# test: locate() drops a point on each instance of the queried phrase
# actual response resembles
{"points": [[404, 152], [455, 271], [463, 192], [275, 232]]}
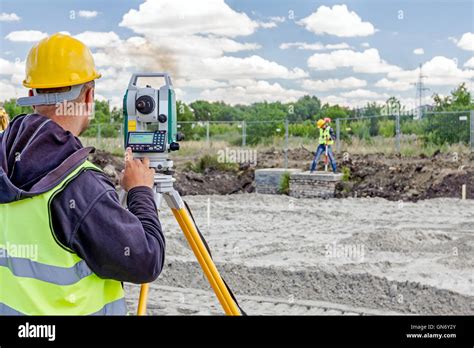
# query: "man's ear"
{"points": [[90, 95], [89, 98], [30, 93]]}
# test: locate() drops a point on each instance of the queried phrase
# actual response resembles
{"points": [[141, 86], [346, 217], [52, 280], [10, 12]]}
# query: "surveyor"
{"points": [[3, 119], [80, 243], [326, 139]]}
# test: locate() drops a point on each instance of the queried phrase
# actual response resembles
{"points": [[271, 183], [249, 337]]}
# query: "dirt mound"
{"points": [[377, 175], [215, 182], [391, 177], [187, 182], [399, 178]]}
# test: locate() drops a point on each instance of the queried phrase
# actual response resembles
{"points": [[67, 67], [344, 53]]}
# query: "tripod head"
{"points": [[150, 120]]}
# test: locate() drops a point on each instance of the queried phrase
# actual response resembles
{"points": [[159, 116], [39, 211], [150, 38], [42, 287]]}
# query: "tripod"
{"points": [[163, 187]]}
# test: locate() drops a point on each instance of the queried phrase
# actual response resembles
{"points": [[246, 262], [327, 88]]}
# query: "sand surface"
{"points": [[353, 256]]}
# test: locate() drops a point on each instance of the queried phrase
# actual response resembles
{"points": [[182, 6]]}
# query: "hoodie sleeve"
{"points": [[120, 244]]}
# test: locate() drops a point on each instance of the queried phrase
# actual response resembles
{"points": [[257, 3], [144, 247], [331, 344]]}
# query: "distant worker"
{"points": [[3, 119], [326, 140], [66, 242]]}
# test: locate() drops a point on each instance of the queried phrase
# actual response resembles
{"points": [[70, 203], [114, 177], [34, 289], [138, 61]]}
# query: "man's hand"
{"points": [[136, 173]]}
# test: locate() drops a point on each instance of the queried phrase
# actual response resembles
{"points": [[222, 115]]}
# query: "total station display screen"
{"points": [[140, 138]]}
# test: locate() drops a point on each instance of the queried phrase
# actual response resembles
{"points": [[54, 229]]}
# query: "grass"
{"points": [[346, 174], [210, 162], [410, 146], [285, 183]]}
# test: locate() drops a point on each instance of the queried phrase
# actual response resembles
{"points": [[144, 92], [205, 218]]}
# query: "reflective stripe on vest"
{"points": [[39, 276], [117, 307], [325, 136]]}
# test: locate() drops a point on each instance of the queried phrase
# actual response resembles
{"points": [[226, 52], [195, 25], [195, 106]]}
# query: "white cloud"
{"points": [[191, 43], [88, 14], [15, 71], [183, 17], [326, 85], [364, 93], [199, 83], [8, 68], [273, 23], [365, 44], [9, 17], [368, 61], [469, 63], [195, 46], [11, 90], [26, 36], [249, 67], [191, 39], [113, 81], [98, 39], [256, 91], [393, 85], [314, 46], [338, 21], [350, 102], [466, 42], [419, 51], [439, 71], [358, 102]]}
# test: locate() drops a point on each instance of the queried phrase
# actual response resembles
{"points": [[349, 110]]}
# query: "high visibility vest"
{"points": [[38, 275], [325, 136]]}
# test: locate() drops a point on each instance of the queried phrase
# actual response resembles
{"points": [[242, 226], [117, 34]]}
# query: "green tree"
{"points": [[304, 109], [459, 100], [14, 110], [185, 114], [259, 131], [445, 127], [332, 111]]}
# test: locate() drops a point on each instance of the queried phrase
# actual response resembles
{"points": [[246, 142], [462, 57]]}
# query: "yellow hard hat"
{"points": [[320, 123], [59, 61]]}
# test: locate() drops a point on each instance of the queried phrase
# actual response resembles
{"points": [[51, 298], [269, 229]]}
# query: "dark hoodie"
{"points": [[36, 154]]}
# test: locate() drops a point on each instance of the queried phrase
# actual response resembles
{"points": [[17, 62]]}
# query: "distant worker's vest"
{"points": [[325, 136], [38, 276]]}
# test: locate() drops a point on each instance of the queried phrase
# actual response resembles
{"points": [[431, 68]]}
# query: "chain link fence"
{"points": [[366, 134], [405, 133]]}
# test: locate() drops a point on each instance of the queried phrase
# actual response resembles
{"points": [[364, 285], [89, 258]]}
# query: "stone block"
{"points": [[314, 185], [268, 180]]}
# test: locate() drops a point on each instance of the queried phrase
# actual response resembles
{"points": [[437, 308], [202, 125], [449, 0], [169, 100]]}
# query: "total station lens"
{"points": [[145, 104]]}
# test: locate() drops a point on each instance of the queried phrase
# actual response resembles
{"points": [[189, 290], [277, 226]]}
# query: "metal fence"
{"points": [[396, 133], [381, 133]]}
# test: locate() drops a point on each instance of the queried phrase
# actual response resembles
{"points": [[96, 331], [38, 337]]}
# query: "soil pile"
{"points": [[376, 175]]}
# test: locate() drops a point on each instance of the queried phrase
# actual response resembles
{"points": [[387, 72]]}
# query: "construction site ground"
{"points": [[360, 256], [397, 239]]}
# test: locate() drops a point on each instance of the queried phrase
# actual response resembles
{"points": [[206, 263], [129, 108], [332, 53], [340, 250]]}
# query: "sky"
{"points": [[243, 51]]}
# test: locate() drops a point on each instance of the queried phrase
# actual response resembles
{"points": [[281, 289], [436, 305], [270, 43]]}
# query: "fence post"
{"points": [[244, 133], [471, 115], [398, 133], [338, 135], [120, 136], [286, 143], [98, 136], [207, 133]]}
